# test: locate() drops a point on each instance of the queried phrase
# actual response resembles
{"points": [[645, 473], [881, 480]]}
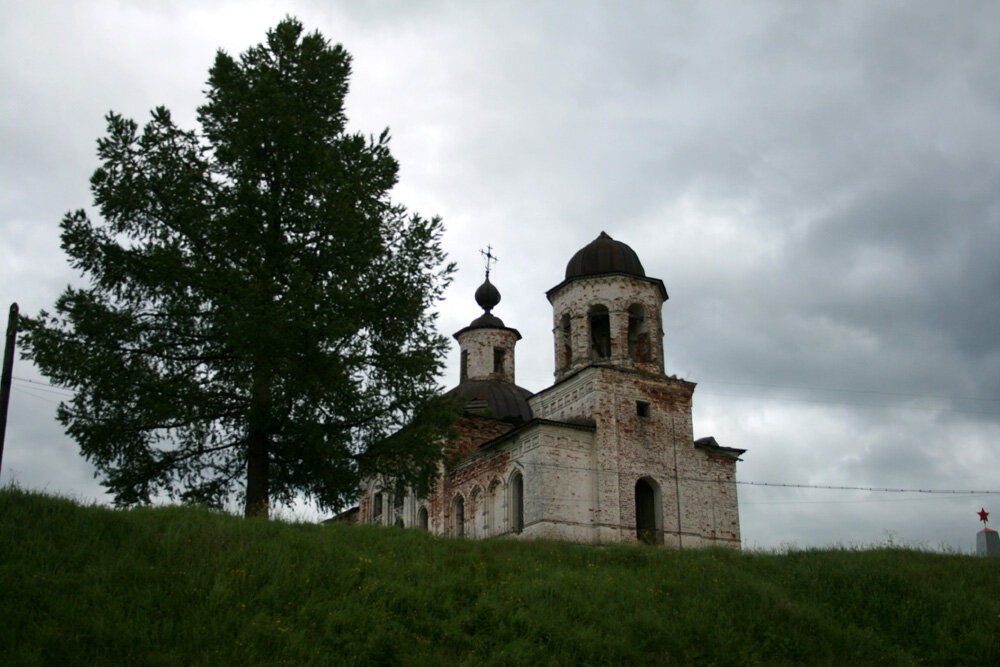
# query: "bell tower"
{"points": [[607, 312]]}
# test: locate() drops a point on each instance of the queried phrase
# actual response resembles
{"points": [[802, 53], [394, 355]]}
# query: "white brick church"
{"points": [[604, 455]]}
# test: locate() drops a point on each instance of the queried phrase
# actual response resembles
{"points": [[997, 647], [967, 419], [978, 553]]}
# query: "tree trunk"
{"points": [[258, 456], [258, 501]]}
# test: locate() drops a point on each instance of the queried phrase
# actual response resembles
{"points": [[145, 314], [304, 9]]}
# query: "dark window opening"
{"points": [[600, 332], [642, 408], [377, 508], [517, 502], [645, 513], [638, 334], [459, 511], [498, 357], [463, 371]]}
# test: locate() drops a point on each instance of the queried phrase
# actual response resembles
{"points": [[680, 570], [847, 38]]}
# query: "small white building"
{"points": [[604, 455]]}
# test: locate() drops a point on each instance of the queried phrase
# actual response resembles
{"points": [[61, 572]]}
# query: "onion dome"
{"points": [[487, 296], [604, 255]]}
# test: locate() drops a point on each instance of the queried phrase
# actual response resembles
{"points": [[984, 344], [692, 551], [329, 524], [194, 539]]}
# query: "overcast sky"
{"points": [[817, 184]]}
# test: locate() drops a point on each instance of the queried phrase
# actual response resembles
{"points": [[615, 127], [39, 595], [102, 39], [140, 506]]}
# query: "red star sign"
{"points": [[983, 514]]}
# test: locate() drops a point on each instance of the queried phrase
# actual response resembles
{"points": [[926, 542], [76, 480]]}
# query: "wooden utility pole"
{"points": [[8, 370]]}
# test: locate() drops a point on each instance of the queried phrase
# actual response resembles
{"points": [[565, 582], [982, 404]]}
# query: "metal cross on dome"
{"points": [[490, 258]]}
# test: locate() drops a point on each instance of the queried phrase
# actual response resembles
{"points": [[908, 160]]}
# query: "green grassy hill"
{"points": [[88, 585]]}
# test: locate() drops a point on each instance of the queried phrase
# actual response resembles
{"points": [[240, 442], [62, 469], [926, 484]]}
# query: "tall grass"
{"points": [[89, 585]]}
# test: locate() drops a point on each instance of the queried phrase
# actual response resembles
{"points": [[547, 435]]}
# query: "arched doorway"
{"points": [[422, 518], [648, 514]]}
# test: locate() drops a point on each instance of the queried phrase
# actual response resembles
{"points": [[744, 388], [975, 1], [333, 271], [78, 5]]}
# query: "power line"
{"points": [[854, 502], [875, 406], [992, 399], [22, 391], [878, 489], [785, 485], [44, 386]]}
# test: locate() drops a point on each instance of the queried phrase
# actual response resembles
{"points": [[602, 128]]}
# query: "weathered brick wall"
{"points": [[559, 484], [657, 446], [616, 293], [470, 468], [478, 353]]}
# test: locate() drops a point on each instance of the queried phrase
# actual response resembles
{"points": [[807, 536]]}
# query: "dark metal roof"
{"points": [[494, 398], [710, 444], [604, 255], [487, 321]]}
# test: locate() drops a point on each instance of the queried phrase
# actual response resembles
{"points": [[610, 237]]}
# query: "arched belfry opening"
{"points": [[600, 332], [648, 512], [564, 342], [638, 334]]}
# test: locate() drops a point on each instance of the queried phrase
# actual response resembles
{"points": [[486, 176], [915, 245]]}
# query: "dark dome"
{"points": [[487, 321], [487, 296], [604, 255], [494, 398]]}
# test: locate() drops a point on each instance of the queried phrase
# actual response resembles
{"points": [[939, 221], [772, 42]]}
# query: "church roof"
{"points": [[711, 445], [604, 255], [494, 398]]}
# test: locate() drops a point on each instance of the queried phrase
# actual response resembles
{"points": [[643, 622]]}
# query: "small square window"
{"points": [[642, 408]]}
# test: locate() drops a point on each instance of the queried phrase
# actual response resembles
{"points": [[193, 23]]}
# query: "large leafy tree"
{"points": [[257, 320]]}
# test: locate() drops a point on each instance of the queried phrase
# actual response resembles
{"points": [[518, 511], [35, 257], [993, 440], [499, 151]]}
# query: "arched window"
{"points": [[638, 333], [517, 502], [458, 516], [477, 509], [463, 371], [648, 512], [422, 518], [377, 508], [564, 343], [600, 332]]}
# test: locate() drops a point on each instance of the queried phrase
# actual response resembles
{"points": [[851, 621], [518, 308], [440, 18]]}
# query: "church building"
{"points": [[604, 455]]}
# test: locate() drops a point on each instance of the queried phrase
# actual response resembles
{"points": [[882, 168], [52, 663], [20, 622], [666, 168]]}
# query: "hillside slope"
{"points": [[89, 585]]}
